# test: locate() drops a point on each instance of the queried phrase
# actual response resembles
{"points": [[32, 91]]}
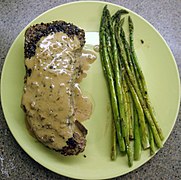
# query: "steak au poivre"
{"points": [[54, 105]]}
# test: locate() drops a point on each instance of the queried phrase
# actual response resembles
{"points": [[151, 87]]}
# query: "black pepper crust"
{"points": [[34, 33]]}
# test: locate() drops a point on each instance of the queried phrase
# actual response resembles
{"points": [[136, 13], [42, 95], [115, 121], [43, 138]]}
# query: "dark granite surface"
{"points": [[163, 15]]}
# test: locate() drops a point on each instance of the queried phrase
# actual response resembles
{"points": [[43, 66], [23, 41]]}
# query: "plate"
{"points": [[162, 78]]}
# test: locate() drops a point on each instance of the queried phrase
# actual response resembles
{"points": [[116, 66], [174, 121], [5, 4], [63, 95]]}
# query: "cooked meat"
{"points": [[34, 33], [54, 65]]}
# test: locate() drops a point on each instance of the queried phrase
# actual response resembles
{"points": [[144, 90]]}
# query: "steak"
{"points": [[54, 64]]}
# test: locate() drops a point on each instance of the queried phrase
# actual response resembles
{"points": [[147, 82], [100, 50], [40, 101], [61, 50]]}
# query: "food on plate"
{"points": [[52, 100], [133, 116]]}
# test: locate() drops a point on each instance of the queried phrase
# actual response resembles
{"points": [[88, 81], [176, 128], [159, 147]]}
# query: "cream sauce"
{"points": [[96, 48], [52, 96]]}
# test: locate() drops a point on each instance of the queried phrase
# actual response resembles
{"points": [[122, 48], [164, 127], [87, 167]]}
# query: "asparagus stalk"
{"points": [[126, 107], [122, 109], [114, 145], [145, 141], [109, 77], [115, 63], [129, 151], [138, 78], [128, 91], [129, 111], [152, 143], [127, 50], [148, 103], [118, 14], [131, 115], [108, 44], [129, 60], [143, 104], [137, 138], [144, 132], [131, 119]]}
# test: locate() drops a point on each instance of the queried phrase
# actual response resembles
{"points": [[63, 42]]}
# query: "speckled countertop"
{"points": [[164, 15]]}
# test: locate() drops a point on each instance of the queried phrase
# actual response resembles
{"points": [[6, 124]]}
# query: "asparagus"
{"points": [[145, 141], [127, 50], [137, 138], [131, 119], [131, 30], [117, 76], [129, 151], [122, 109], [129, 111], [138, 78], [129, 99], [143, 104], [118, 14], [126, 104], [152, 144], [129, 60], [114, 146], [109, 77], [131, 134], [108, 44], [115, 63]]}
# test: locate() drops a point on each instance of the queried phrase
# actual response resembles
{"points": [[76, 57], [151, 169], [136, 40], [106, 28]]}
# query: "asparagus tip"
{"points": [[122, 21], [130, 22]]}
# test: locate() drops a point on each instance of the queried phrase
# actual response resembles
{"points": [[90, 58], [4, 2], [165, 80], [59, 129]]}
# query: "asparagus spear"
{"points": [[126, 107], [114, 145], [145, 141], [108, 44], [146, 111], [148, 103], [113, 42], [131, 118], [122, 109], [118, 14], [137, 138], [117, 75], [129, 60], [115, 63], [129, 151], [127, 50], [143, 104], [128, 110], [109, 77], [152, 144]]}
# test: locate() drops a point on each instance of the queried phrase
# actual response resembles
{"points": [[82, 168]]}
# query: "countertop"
{"points": [[163, 15]]}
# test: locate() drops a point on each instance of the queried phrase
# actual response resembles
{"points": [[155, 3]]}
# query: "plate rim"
{"points": [[82, 2]]}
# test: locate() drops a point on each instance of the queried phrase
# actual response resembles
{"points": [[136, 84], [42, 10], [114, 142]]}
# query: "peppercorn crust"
{"points": [[34, 33]]}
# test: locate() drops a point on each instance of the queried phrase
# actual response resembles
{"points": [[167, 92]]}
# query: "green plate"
{"points": [[162, 78]]}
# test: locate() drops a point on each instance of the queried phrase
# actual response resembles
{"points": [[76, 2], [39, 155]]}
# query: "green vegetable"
{"points": [[142, 79], [107, 68], [137, 138], [127, 119], [114, 145], [133, 117], [145, 141]]}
